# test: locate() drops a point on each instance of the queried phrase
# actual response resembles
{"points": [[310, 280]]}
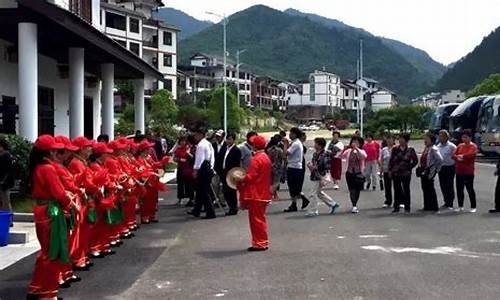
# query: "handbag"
{"points": [[359, 177]]}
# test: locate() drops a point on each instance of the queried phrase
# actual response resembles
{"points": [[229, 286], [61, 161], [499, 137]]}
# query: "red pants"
{"points": [[258, 223], [77, 249], [129, 211], [336, 168], [148, 207], [100, 235], [45, 281]]}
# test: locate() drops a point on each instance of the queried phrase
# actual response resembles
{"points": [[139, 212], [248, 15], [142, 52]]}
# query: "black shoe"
{"points": [[232, 213], [396, 211], [291, 208], [368, 186], [100, 255], [208, 217], [154, 221], [110, 252], [194, 214], [65, 285], [305, 202], [90, 264], [494, 210], [190, 203], [31, 297], [374, 188], [74, 279], [81, 269], [254, 249]]}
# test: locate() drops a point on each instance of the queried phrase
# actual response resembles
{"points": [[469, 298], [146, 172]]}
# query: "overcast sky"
{"points": [[446, 29]]}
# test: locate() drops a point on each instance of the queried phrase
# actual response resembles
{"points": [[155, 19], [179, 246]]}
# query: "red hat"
{"points": [[122, 140], [258, 141], [46, 143], [101, 148], [116, 145], [82, 141], [66, 141], [145, 144]]}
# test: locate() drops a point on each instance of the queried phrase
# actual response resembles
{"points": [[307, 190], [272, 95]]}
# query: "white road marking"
{"points": [[373, 236], [454, 251]]}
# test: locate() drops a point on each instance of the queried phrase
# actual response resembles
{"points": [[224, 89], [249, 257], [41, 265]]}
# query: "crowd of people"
{"points": [[86, 194]]}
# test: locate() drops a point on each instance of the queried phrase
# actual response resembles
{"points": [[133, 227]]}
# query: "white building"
{"points": [[58, 70], [349, 95], [383, 98], [131, 24], [452, 96], [323, 89], [207, 71]]}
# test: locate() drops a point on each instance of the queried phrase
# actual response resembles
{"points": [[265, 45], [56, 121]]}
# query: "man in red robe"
{"points": [[255, 193]]}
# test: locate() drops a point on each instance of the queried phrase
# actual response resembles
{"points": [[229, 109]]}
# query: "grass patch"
{"points": [[21, 203]]}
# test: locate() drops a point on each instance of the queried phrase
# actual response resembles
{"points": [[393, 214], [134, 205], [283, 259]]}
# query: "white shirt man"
{"points": [[204, 152]]}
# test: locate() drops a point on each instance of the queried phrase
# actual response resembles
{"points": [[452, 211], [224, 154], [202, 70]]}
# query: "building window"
{"points": [[116, 21], [134, 48], [134, 25], [227, 73], [167, 84], [167, 38], [167, 60]]}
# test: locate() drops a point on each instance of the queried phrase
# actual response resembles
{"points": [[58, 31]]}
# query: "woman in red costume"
{"points": [[79, 167], [255, 193], [51, 200]]}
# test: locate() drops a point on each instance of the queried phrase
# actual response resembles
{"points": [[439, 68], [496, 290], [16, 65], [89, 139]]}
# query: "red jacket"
{"points": [[47, 185], [466, 166], [256, 185]]}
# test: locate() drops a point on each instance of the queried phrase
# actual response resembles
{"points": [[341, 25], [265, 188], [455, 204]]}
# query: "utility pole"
{"points": [[361, 77], [224, 23], [238, 72], [194, 86]]}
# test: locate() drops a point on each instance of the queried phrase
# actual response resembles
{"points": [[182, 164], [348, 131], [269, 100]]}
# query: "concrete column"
{"points": [[28, 80], [108, 82], [96, 95], [139, 104], [76, 91]]}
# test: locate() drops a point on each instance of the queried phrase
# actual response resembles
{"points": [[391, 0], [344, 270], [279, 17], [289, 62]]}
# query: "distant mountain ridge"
{"points": [[475, 66], [188, 24], [417, 57], [289, 47]]}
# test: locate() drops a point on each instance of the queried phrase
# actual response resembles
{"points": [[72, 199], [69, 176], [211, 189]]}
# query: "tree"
{"points": [[190, 115], [163, 111], [216, 109], [489, 86], [125, 124]]}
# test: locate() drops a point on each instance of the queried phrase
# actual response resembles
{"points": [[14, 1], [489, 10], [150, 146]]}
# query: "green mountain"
{"points": [[417, 57], [290, 47], [475, 66], [185, 22]]}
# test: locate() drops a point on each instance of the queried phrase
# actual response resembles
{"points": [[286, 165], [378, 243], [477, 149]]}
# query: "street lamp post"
{"points": [[238, 72], [224, 23]]}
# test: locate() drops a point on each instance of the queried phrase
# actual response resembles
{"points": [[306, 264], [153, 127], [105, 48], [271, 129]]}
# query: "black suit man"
{"points": [[231, 159]]}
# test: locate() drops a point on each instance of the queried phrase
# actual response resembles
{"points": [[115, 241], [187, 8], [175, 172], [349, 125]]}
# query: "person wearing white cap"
{"points": [[219, 146]]}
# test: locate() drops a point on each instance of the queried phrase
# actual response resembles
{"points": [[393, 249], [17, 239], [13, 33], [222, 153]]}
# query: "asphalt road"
{"points": [[372, 255]]}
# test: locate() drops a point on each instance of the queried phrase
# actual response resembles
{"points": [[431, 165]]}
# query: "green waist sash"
{"points": [[58, 243], [115, 215]]}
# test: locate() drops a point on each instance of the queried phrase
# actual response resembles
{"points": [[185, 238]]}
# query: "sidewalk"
{"points": [[14, 252]]}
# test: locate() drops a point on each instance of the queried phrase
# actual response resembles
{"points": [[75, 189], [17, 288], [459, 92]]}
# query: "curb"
{"points": [[23, 217], [18, 237]]}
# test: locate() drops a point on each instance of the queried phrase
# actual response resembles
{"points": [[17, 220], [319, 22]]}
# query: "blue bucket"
{"points": [[5, 220]]}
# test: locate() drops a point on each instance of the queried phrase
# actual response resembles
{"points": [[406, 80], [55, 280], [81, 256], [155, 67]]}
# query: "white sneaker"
{"points": [[354, 210], [473, 210], [401, 206], [459, 209], [312, 214], [335, 186], [385, 206]]}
